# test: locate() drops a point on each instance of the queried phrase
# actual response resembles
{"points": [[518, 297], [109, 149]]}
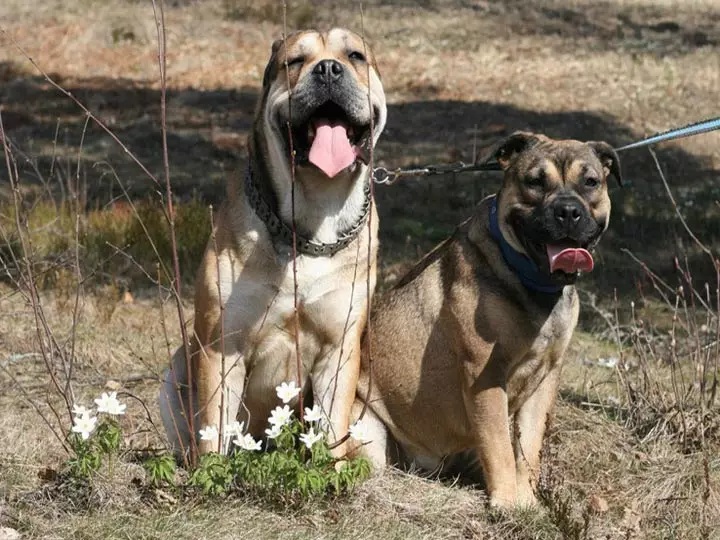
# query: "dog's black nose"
{"points": [[567, 213], [328, 71]]}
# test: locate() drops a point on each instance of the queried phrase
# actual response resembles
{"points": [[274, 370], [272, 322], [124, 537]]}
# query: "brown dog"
{"points": [[473, 338], [337, 112]]}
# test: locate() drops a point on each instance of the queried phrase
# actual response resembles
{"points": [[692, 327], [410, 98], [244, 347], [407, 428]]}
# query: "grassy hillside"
{"points": [[633, 450]]}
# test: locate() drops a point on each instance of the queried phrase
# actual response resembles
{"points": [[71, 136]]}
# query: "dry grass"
{"points": [[651, 486], [454, 71]]}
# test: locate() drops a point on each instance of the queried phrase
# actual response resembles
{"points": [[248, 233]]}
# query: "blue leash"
{"points": [[678, 133]]}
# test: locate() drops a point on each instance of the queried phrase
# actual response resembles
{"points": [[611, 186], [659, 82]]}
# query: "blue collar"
{"points": [[526, 270]]}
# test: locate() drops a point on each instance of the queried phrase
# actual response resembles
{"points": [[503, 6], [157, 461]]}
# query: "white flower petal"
{"points": [[84, 425], [287, 391], [247, 442], [273, 431], [79, 410], [360, 431], [314, 414], [310, 438], [280, 416], [108, 403], [234, 430], [210, 433]]}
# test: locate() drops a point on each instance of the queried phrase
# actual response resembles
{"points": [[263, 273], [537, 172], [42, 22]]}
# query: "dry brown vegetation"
{"points": [[633, 450]]}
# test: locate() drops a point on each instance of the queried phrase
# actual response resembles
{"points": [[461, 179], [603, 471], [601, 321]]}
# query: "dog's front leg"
{"points": [[334, 381], [530, 423], [489, 416], [210, 389]]}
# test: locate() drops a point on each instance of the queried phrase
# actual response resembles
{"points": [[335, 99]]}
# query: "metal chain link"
{"points": [[388, 177], [279, 230]]}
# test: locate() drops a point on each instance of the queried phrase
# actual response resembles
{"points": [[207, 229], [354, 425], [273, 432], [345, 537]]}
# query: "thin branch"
{"points": [[175, 382], [162, 61], [35, 406], [296, 318], [79, 104]]}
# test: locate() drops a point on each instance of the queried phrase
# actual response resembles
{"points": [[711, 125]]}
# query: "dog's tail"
{"points": [[174, 404]]}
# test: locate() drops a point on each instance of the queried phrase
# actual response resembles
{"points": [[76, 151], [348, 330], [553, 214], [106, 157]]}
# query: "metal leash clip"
{"points": [[381, 175]]}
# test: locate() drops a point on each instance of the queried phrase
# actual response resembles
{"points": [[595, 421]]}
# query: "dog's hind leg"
{"points": [[174, 405]]}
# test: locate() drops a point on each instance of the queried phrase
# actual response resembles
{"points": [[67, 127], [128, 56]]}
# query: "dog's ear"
{"points": [[271, 68], [513, 145], [609, 159]]}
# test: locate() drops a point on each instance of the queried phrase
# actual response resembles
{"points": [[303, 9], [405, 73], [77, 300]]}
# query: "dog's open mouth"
{"points": [[330, 140], [568, 257]]}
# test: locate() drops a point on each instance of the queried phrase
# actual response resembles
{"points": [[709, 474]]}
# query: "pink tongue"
{"points": [[331, 151], [569, 260]]}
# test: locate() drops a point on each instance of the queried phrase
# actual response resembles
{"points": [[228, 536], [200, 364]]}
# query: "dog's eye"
{"points": [[298, 60], [357, 55], [536, 180], [591, 182]]}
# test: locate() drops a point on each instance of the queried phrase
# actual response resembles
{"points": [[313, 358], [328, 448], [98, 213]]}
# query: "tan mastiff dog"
{"points": [[337, 112], [468, 347]]}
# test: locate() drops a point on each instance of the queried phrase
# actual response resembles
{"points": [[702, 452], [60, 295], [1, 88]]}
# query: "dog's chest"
{"points": [[545, 353], [261, 306]]}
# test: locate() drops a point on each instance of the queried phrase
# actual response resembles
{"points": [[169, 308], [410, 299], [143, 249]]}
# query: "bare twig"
{"points": [[175, 382], [34, 405], [677, 212], [41, 325], [368, 288], [296, 319], [78, 275], [162, 61], [371, 165], [79, 104]]}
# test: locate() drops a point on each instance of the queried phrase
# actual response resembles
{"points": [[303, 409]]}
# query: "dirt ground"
{"points": [[458, 75]]}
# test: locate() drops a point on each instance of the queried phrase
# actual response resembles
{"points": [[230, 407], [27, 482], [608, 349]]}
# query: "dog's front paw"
{"points": [[502, 499], [526, 497]]}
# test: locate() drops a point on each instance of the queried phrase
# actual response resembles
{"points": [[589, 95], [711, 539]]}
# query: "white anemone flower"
{"points": [[234, 430], [360, 431], [310, 438], [246, 442], [287, 391], [84, 425], [79, 410], [273, 431], [108, 403], [210, 433], [116, 408], [314, 414], [280, 416]]}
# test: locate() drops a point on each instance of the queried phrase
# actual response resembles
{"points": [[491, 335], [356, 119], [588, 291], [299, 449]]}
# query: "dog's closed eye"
{"points": [[357, 55], [536, 179], [298, 60]]}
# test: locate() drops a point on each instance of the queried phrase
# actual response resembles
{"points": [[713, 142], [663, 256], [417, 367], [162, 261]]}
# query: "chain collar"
{"points": [[280, 231]]}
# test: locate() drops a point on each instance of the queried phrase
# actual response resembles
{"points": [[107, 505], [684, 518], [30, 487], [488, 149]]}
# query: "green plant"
{"points": [[294, 470], [288, 471], [87, 459], [161, 470], [213, 474], [107, 437], [89, 440]]}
